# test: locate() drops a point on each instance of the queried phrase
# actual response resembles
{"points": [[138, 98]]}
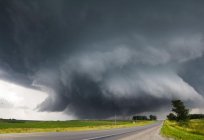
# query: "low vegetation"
{"points": [[15, 126], [194, 130]]}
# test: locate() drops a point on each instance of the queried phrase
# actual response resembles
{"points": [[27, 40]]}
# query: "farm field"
{"points": [[14, 126], [193, 131]]}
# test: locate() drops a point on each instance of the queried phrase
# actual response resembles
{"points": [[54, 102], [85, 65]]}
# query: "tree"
{"points": [[152, 117], [171, 117], [181, 113], [139, 118]]}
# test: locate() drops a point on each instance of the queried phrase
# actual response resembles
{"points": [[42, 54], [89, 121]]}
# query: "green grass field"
{"points": [[193, 131], [61, 126]]}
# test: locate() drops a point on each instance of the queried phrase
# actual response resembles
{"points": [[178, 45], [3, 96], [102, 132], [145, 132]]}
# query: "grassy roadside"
{"points": [[62, 126], [193, 131]]}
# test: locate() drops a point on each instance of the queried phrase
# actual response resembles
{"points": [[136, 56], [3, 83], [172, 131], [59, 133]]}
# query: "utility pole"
{"points": [[115, 119]]}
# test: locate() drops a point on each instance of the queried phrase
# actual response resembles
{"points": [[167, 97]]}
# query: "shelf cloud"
{"points": [[98, 58]]}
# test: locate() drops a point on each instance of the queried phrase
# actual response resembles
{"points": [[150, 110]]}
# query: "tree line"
{"points": [[151, 117]]}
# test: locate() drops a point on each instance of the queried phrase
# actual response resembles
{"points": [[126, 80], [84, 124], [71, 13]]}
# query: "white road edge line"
{"points": [[103, 136], [113, 135], [108, 135]]}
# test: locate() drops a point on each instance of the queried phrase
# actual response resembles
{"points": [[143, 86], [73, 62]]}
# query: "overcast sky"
{"points": [[73, 59]]}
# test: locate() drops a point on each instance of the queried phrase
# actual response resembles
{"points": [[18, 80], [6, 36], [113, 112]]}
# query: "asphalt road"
{"points": [[111, 134]]}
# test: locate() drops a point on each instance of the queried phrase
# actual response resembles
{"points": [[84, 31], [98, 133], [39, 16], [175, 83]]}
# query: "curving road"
{"points": [[141, 133]]}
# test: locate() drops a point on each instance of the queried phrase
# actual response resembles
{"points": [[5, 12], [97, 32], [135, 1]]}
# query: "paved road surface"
{"points": [[148, 132]]}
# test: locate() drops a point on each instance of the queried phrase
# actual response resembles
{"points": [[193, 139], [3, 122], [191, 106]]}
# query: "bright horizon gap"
{"points": [[19, 102]]}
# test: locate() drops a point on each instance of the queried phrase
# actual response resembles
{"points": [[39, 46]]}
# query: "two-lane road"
{"points": [[111, 134]]}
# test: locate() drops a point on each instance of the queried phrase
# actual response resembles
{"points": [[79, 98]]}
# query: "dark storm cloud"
{"points": [[192, 72], [95, 58]]}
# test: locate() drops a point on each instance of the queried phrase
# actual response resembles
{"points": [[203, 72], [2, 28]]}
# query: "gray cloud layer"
{"points": [[95, 58]]}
